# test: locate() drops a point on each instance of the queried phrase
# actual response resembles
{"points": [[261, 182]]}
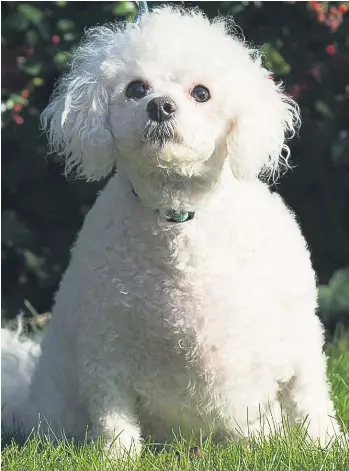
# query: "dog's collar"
{"points": [[172, 215], [179, 216]]}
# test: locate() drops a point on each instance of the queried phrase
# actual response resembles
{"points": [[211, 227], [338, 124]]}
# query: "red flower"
{"points": [[330, 49], [343, 8], [333, 25], [25, 93], [56, 39], [18, 119], [17, 107], [316, 6]]}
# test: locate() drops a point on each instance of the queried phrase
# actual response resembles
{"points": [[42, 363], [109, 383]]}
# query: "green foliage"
{"points": [[274, 61], [334, 298], [284, 452], [306, 47]]}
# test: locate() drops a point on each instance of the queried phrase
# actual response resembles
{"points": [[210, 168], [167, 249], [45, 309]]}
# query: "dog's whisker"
{"points": [[161, 133]]}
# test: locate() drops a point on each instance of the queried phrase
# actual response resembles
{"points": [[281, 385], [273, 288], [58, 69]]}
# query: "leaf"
{"points": [[37, 81], [237, 7], [15, 98], [334, 297], [68, 37], [322, 108], [60, 59], [32, 67], [31, 13], [14, 231], [32, 37], [35, 16], [340, 149], [10, 104], [124, 8], [65, 25], [274, 61]]}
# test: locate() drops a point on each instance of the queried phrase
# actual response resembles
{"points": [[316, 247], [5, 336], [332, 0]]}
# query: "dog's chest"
{"points": [[179, 369], [171, 305]]}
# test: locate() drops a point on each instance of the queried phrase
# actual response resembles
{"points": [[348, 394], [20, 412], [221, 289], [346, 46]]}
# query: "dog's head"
{"points": [[174, 94]]}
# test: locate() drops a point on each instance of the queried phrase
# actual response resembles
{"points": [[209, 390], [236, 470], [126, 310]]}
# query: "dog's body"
{"points": [[206, 324]]}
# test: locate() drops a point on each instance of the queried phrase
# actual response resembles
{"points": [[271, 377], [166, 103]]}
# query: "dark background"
{"points": [[306, 46]]}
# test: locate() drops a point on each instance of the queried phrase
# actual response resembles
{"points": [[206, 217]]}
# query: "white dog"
{"points": [[190, 300]]}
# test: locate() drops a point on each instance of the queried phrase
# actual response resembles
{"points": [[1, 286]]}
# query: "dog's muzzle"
{"points": [[161, 133], [161, 125], [161, 109]]}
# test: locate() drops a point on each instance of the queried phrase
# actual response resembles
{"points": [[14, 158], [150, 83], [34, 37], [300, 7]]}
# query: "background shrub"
{"points": [[306, 46]]}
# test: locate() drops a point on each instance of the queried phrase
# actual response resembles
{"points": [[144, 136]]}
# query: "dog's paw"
{"points": [[123, 448], [324, 433]]}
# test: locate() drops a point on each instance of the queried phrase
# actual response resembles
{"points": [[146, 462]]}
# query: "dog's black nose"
{"points": [[161, 109]]}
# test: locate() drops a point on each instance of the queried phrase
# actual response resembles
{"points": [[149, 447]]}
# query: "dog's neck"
{"points": [[176, 195], [175, 216]]}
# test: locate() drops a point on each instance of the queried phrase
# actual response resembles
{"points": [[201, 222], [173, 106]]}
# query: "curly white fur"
{"points": [[206, 325]]}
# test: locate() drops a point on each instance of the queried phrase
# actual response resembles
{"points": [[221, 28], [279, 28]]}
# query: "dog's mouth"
{"points": [[161, 133]]}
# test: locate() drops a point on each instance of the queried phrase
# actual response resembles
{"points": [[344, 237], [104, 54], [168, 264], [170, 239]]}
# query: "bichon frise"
{"points": [[190, 300]]}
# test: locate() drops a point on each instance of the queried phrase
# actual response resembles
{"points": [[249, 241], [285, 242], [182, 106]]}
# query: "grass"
{"points": [[284, 452]]}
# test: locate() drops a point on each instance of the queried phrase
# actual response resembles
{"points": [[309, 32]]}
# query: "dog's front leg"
{"points": [[111, 408], [308, 400]]}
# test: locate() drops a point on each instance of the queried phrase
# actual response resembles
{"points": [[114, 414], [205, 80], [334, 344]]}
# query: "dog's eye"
{"points": [[137, 90], [200, 93]]}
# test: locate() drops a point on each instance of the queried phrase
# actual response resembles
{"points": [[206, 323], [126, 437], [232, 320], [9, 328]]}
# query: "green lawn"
{"points": [[285, 452]]}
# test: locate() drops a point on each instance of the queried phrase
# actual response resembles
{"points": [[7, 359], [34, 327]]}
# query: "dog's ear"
{"points": [[257, 141], [76, 118]]}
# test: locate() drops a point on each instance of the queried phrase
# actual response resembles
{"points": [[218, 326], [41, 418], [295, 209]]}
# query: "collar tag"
{"points": [[179, 216], [172, 215]]}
